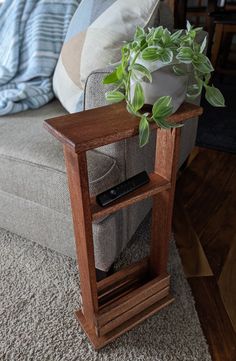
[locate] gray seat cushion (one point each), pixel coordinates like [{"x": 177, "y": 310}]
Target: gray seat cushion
[{"x": 32, "y": 164}]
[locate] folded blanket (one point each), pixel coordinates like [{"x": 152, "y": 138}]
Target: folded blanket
[{"x": 31, "y": 37}]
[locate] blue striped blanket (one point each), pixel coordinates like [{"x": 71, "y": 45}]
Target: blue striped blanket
[{"x": 31, "y": 37}]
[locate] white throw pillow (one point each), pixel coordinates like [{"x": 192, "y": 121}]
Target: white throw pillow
[{"x": 94, "y": 41}]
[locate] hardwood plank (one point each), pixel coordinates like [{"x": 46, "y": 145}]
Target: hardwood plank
[
  {"x": 209, "y": 183},
  {"x": 187, "y": 240},
  {"x": 210, "y": 180},
  {"x": 156, "y": 185},
  {"x": 214, "y": 320},
  {"x": 96, "y": 127}
]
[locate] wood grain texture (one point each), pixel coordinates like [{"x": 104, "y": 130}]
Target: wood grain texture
[
  {"x": 133, "y": 311},
  {"x": 122, "y": 280},
  {"x": 76, "y": 165},
  {"x": 190, "y": 249},
  {"x": 93, "y": 128},
  {"x": 167, "y": 153},
  {"x": 133, "y": 298},
  {"x": 156, "y": 185},
  {"x": 99, "y": 342},
  {"x": 208, "y": 184},
  {"x": 215, "y": 322}
]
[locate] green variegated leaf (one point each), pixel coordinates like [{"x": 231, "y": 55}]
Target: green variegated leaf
[
  {"x": 203, "y": 45},
  {"x": 138, "y": 97},
  {"x": 166, "y": 56},
  {"x": 162, "y": 107},
  {"x": 157, "y": 33},
  {"x": 196, "y": 48},
  {"x": 139, "y": 33},
  {"x": 166, "y": 36},
  {"x": 119, "y": 71},
  {"x": 134, "y": 45},
  {"x": 150, "y": 36},
  {"x": 162, "y": 123},
  {"x": 114, "y": 96},
  {"x": 203, "y": 64},
  {"x": 143, "y": 131},
  {"x": 194, "y": 91},
  {"x": 178, "y": 70},
  {"x": 192, "y": 34},
  {"x": 110, "y": 78},
  {"x": 143, "y": 71},
  {"x": 214, "y": 96},
  {"x": 207, "y": 78},
  {"x": 175, "y": 36},
  {"x": 198, "y": 29},
  {"x": 185, "y": 55},
  {"x": 188, "y": 25},
  {"x": 150, "y": 54},
  {"x": 130, "y": 109}
]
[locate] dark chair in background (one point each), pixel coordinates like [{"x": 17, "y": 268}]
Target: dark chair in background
[
  {"x": 223, "y": 29},
  {"x": 217, "y": 18}
]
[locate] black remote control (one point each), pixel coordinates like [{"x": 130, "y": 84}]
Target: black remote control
[{"x": 120, "y": 190}]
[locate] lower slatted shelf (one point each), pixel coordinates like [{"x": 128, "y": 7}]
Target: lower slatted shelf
[
  {"x": 131, "y": 304},
  {"x": 101, "y": 341}
]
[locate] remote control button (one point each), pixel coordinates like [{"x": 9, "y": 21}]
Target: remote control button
[
  {"x": 113, "y": 193},
  {"x": 122, "y": 189}
]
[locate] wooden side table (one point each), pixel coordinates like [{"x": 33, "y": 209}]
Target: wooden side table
[{"x": 121, "y": 301}]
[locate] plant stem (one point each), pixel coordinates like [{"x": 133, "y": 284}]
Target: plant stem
[{"x": 129, "y": 76}]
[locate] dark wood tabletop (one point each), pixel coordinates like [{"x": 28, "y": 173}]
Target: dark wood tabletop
[{"x": 96, "y": 127}]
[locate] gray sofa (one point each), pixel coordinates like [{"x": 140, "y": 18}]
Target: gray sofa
[{"x": 34, "y": 198}]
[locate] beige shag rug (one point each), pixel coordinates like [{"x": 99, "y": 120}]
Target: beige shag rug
[{"x": 39, "y": 291}]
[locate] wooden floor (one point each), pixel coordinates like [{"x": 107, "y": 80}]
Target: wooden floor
[
  {"x": 205, "y": 231},
  {"x": 214, "y": 319}
]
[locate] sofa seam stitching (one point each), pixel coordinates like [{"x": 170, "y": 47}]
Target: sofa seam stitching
[
  {"x": 57, "y": 170},
  {"x": 38, "y": 204}
]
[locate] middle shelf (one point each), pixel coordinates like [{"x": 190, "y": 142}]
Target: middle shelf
[{"x": 156, "y": 185}]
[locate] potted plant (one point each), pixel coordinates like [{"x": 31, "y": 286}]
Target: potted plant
[{"x": 155, "y": 68}]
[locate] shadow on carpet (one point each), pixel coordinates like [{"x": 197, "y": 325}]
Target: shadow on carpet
[{"x": 39, "y": 291}]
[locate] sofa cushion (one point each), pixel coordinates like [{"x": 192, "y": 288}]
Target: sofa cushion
[
  {"x": 32, "y": 164},
  {"x": 94, "y": 39}
]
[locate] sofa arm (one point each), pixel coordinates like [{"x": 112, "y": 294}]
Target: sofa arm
[
  {"x": 130, "y": 158},
  {"x": 94, "y": 97},
  {"x": 94, "y": 91}
]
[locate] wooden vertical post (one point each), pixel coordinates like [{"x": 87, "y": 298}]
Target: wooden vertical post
[
  {"x": 180, "y": 12},
  {"x": 219, "y": 32},
  {"x": 76, "y": 165},
  {"x": 166, "y": 162}
]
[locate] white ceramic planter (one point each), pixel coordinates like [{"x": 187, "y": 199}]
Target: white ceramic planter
[{"x": 164, "y": 82}]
